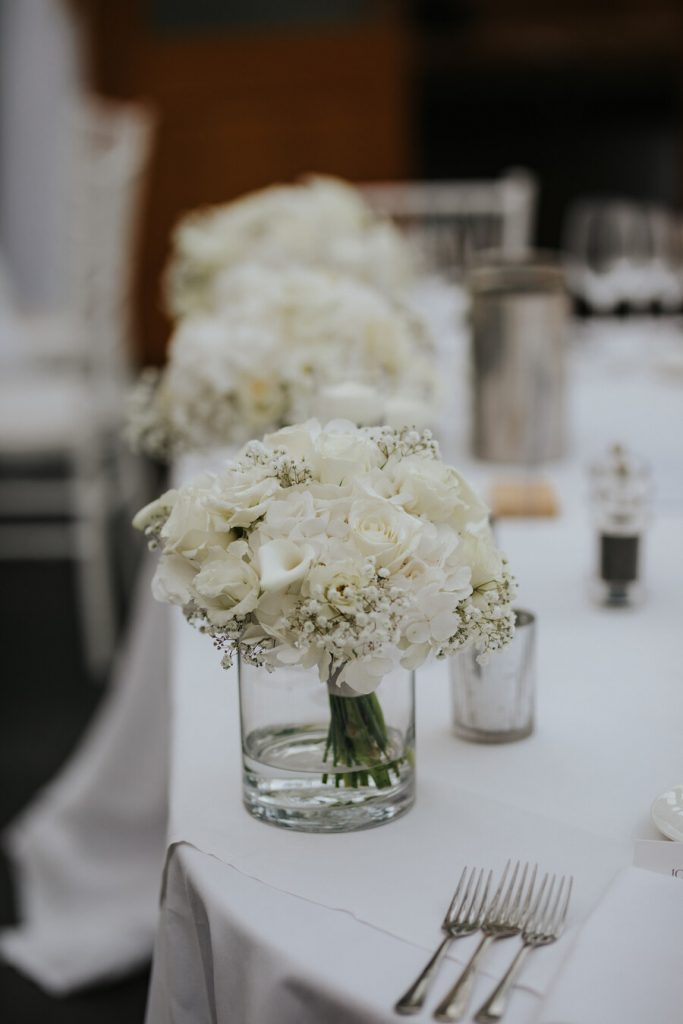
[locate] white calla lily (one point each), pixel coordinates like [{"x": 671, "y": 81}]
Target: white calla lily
[{"x": 283, "y": 563}]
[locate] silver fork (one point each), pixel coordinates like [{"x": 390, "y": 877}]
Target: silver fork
[
  {"x": 504, "y": 917},
  {"x": 544, "y": 925},
  {"x": 463, "y": 917}
]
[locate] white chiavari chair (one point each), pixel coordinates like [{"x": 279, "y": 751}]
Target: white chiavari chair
[
  {"x": 61, "y": 396},
  {"x": 451, "y": 221}
]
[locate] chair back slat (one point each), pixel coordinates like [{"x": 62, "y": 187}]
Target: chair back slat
[
  {"x": 452, "y": 221},
  {"x": 110, "y": 145}
]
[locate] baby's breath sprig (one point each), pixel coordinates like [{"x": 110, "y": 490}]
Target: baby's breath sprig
[
  {"x": 153, "y": 528},
  {"x": 226, "y": 639},
  {"x": 255, "y": 453},
  {"x": 404, "y": 442},
  {"x": 485, "y": 619},
  {"x": 366, "y": 622},
  {"x": 287, "y": 469}
]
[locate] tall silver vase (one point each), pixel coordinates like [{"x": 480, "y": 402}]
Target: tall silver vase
[{"x": 520, "y": 320}]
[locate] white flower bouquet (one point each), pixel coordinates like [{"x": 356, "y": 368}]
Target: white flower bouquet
[
  {"x": 279, "y": 345},
  {"x": 320, "y": 222},
  {"x": 341, "y": 548}
]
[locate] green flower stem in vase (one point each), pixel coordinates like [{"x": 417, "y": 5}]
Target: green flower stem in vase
[{"x": 358, "y": 738}]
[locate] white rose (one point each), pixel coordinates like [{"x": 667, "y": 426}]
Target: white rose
[
  {"x": 189, "y": 529},
  {"x": 298, "y": 441},
  {"x": 173, "y": 580},
  {"x": 343, "y": 453},
  {"x": 227, "y": 586},
  {"x": 338, "y": 583},
  {"x": 240, "y": 497},
  {"x": 384, "y": 531},
  {"x": 429, "y": 488},
  {"x": 282, "y": 564},
  {"x": 157, "y": 509}
]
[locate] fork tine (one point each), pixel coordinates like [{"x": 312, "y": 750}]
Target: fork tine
[
  {"x": 558, "y": 925},
  {"x": 514, "y": 909},
  {"x": 558, "y": 906},
  {"x": 519, "y": 892},
  {"x": 457, "y": 912},
  {"x": 497, "y": 894},
  {"x": 484, "y": 901},
  {"x": 530, "y": 921},
  {"x": 466, "y": 912},
  {"x": 509, "y": 891},
  {"x": 456, "y": 896},
  {"x": 540, "y": 921},
  {"x": 525, "y": 903},
  {"x": 553, "y": 909}
]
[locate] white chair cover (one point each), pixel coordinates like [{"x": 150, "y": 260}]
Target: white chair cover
[{"x": 89, "y": 850}]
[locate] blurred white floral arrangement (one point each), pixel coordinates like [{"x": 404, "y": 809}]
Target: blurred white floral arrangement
[
  {"x": 338, "y": 547},
  {"x": 280, "y": 345},
  {"x": 319, "y": 222}
]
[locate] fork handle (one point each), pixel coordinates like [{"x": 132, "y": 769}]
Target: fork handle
[
  {"x": 413, "y": 1000},
  {"x": 454, "y": 1006},
  {"x": 496, "y": 1004}
]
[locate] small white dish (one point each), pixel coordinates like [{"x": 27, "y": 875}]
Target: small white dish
[{"x": 667, "y": 813}]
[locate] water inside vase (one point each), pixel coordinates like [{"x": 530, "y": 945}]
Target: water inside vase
[{"x": 288, "y": 781}]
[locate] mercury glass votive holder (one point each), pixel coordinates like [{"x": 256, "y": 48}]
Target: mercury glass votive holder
[{"x": 493, "y": 700}]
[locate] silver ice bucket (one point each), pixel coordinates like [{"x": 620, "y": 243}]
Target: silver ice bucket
[{"x": 520, "y": 321}]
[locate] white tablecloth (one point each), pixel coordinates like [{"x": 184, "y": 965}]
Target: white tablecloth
[
  {"x": 257, "y": 920},
  {"x": 573, "y": 797},
  {"x": 254, "y": 919},
  {"x": 614, "y": 971}
]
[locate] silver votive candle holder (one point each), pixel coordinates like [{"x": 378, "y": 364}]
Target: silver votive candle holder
[{"x": 493, "y": 700}]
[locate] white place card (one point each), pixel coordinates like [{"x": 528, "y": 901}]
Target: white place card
[{"x": 663, "y": 856}]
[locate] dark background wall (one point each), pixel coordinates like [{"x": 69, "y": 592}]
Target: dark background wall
[{"x": 588, "y": 94}]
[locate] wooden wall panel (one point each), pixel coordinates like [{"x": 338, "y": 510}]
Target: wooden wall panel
[{"x": 239, "y": 111}]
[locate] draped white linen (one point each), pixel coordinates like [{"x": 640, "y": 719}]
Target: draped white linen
[{"x": 89, "y": 850}]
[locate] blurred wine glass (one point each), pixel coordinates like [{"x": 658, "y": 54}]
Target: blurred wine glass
[
  {"x": 624, "y": 255},
  {"x": 667, "y": 266}
]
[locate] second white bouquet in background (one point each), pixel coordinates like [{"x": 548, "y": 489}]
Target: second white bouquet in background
[{"x": 280, "y": 345}]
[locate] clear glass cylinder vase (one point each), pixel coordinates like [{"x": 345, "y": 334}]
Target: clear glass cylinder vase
[{"x": 317, "y": 759}]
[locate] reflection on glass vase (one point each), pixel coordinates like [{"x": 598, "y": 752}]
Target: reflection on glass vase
[{"x": 317, "y": 759}]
